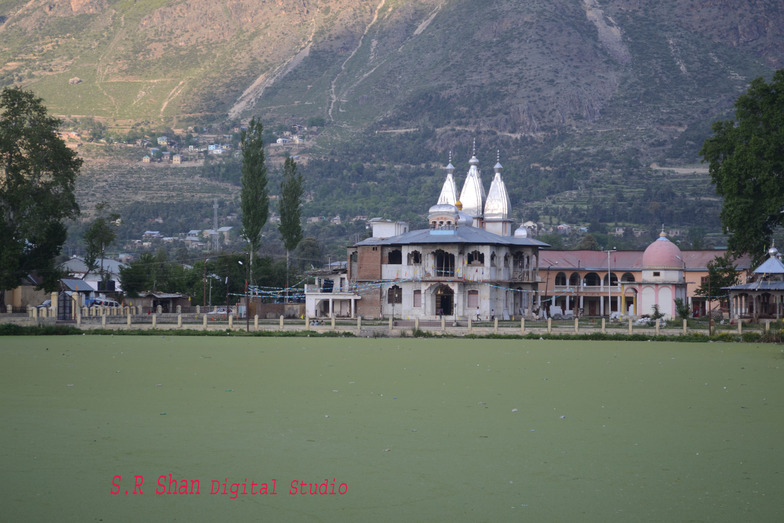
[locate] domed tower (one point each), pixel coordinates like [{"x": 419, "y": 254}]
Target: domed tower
[
  {"x": 473, "y": 194},
  {"x": 496, "y": 215},
  {"x": 449, "y": 190},
  {"x": 662, "y": 261},
  {"x": 662, "y": 277}
]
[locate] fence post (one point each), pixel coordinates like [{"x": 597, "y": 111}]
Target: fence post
[
  {"x": 443, "y": 324},
  {"x": 103, "y": 321},
  {"x": 128, "y": 320},
  {"x": 685, "y": 328},
  {"x": 577, "y": 326},
  {"x": 231, "y": 321},
  {"x": 604, "y": 326},
  {"x": 179, "y": 320},
  {"x": 416, "y": 324},
  {"x": 307, "y": 322},
  {"x": 522, "y": 326},
  {"x": 255, "y": 322},
  {"x": 740, "y": 327},
  {"x": 549, "y": 325},
  {"x": 390, "y": 324},
  {"x": 280, "y": 322},
  {"x": 333, "y": 322},
  {"x": 154, "y": 318},
  {"x": 204, "y": 322},
  {"x": 470, "y": 328},
  {"x": 495, "y": 325},
  {"x": 359, "y": 323},
  {"x": 767, "y": 326},
  {"x": 658, "y": 322},
  {"x": 630, "y": 325}
]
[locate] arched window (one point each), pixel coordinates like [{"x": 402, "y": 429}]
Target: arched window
[
  {"x": 506, "y": 260},
  {"x": 560, "y": 279},
  {"x": 492, "y": 259},
  {"x": 414, "y": 258},
  {"x": 395, "y": 257},
  {"x": 574, "y": 280},
  {"x": 627, "y": 277},
  {"x": 445, "y": 263},
  {"x": 613, "y": 279},
  {"x": 475, "y": 258},
  {"x": 592, "y": 280}
]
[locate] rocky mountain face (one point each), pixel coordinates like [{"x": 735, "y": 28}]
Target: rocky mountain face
[
  {"x": 568, "y": 88},
  {"x": 517, "y": 67}
]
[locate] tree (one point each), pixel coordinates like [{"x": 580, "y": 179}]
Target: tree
[
  {"x": 290, "y": 226},
  {"x": 682, "y": 309},
  {"x": 254, "y": 195},
  {"x": 722, "y": 272},
  {"x": 37, "y": 176},
  {"x": 746, "y": 164},
  {"x": 588, "y": 243},
  {"x": 99, "y": 235}
]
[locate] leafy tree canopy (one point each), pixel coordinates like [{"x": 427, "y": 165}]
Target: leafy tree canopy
[
  {"x": 291, "y": 188},
  {"x": 722, "y": 272},
  {"x": 746, "y": 160},
  {"x": 99, "y": 235},
  {"x": 254, "y": 195},
  {"x": 37, "y": 176}
]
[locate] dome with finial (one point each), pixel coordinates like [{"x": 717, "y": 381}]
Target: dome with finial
[
  {"x": 462, "y": 218},
  {"x": 522, "y": 232},
  {"x": 662, "y": 254}
]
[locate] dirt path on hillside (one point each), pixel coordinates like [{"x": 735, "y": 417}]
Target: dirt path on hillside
[{"x": 680, "y": 170}]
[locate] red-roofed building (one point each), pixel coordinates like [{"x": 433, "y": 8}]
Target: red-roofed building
[{"x": 577, "y": 282}]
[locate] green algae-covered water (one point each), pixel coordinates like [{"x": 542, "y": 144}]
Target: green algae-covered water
[{"x": 388, "y": 430}]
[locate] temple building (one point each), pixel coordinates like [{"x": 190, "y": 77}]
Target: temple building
[
  {"x": 468, "y": 263},
  {"x": 472, "y": 262}
]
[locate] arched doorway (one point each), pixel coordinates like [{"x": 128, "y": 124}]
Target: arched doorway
[{"x": 445, "y": 301}]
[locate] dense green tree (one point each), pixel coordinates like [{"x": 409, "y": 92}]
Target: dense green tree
[
  {"x": 722, "y": 272},
  {"x": 100, "y": 235},
  {"x": 746, "y": 163},
  {"x": 254, "y": 195},
  {"x": 291, "y": 188},
  {"x": 309, "y": 254},
  {"x": 37, "y": 176},
  {"x": 588, "y": 243}
]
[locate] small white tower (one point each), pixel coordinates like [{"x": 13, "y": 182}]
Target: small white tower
[
  {"x": 496, "y": 215},
  {"x": 473, "y": 194}
]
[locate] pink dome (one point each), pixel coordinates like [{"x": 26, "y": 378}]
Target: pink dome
[{"x": 662, "y": 254}]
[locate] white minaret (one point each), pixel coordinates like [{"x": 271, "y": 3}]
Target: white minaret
[
  {"x": 473, "y": 194},
  {"x": 496, "y": 215},
  {"x": 449, "y": 190}
]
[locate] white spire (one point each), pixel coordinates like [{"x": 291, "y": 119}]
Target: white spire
[
  {"x": 473, "y": 194},
  {"x": 497, "y": 205},
  {"x": 449, "y": 190}
]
